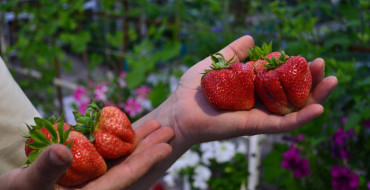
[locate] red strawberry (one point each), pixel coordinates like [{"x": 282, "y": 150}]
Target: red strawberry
[
  {"x": 87, "y": 163},
  {"x": 283, "y": 85},
  {"x": 228, "y": 85},
  {"x": 108, "y": 129}
]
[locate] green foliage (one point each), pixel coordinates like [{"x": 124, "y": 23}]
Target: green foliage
[{"x": 230, "y": 175}]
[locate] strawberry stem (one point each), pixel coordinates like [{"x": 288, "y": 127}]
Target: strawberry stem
[
  {"x": 219, "y": 62},
  {"x": 86, "y": 124},
  {"x": 257, "y": 53},
  {"x": 275, "y": 62}
]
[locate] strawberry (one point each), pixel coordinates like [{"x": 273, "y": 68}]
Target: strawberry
[
  {"x": 108, "y": 129},
  {"x": 283, "y": 83},
  {"x": 87, "y": 163},
  {"x": 228, "y": 84}
]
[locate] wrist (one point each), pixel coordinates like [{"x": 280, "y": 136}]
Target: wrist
[{"x": 167, "y": 115}]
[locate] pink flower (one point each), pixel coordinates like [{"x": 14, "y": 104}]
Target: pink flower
[
  {"x": 100, "y": 92},
  {"x": 83, "y": 106},
  {"x": 132, "y": 107},
  {"x": 343, "y": 178},
  {"x": 294, "y": 162},
  {"x": 143, "y": 92},
  {"x": 80, "y": 94}
]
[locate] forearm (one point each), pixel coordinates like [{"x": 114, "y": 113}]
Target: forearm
[
  {"x": 165, "y": 115},
  {"x": 15, "y": 111}
]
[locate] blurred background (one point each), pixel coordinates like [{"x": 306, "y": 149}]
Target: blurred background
[{"x": 131, "y": 53}]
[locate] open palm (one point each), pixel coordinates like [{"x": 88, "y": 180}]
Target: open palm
[{"x": 194, "y": 117}]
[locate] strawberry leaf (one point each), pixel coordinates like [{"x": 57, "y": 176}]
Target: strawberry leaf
[
  {"x": 53, "y": 119},
  {"x": 87, "y": 123},
  {"x": 82, "y": 128},
  {"x": 84, "y": 120},
  {"x": 39, "y": 122},
  {"x": 60, "y": 129},
  {"x": 257, "y": 53},
  {"x": 276, "y": 62},
  {"x": 24, "y": 133},
  {"x": 49, "y": 126},
  {"x": 37, "y": 145},
  {"x": 66, "y": 134},
  {"x": 69, "y": 145},
  {"x": 38, "y": 136},
  {"x": 33, "y": 156}
]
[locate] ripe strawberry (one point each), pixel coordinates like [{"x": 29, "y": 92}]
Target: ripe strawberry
[
  {"x": 108, "y": 129},
  {"x": 87, "y": 163},
  {"x": 283, "y": 83},
  {"x": 229, "y": 85}
]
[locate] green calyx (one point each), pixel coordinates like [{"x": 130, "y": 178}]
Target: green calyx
[
  {"x": 219, "y": 62},
  {"x": 86, "y": 124},
  {"x": 275, "y": 62},
  {"x": 58, "y": 136},
  {"x": 257, "y": 53}
]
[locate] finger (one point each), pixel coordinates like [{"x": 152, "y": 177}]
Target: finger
[
  {"x": 161, "y": 135},
  {"x": 239, "y": 48},
  {"x": 317, "y": 68},
  {"x": 273, "y": 123},
  {"x": 121, "y": 176},
  {"x": 146, "y": 129},
  {"x": 297, "y": 119},
  {"x": 322, "y": 91},
  {"x": 48, "y": 167}
]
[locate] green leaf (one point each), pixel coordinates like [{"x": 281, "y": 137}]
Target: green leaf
[
  {"x": 84, "y": 120},
  {"x": 39, "y": 122},
  {"x": 53, "y": 119},
  {"x": 37, "y": 145},
  {"x": 66, "y": 133},
  {"x": 82, "y": 128},
  {"x": 53, "y": 134},
  {"x": 33, "y": 156},
  {"x": 60, "y": 129},
  {"x": 69, "y": 145},
  {"x": 23, "y": 132},
  {"x": 38, "y": 136},
  {"x": 77, "y": 114}
]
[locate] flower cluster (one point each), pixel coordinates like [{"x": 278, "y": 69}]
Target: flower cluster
[
  {"x": 196, "y": 167},
  {"x": 343, "y": 179},
  {"x": 292, "y": 160},
  {"x": 114, "y": 92},
  {"x": 338, "y": 141}
]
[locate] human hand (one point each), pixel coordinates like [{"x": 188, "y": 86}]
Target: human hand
[
  {"x": 195, "y": 120},
  {"x": 152, "y": 147}
]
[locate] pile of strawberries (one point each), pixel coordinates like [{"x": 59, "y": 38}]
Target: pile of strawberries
[
  {"x": 98, "y": 135},
  {"x": 282, "y": 82}
]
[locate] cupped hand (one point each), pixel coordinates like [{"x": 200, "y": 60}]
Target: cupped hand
[
  {"x": 195, "y": 120},
  {"x": 152, "y": 148}
]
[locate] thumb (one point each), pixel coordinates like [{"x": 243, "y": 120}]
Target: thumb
[{"x": 48, "y": 167}]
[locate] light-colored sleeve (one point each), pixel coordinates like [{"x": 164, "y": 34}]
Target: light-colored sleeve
[{"x": 15, "y": 111}]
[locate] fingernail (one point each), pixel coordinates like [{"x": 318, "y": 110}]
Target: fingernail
[{"x": 56, "y": 160}]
